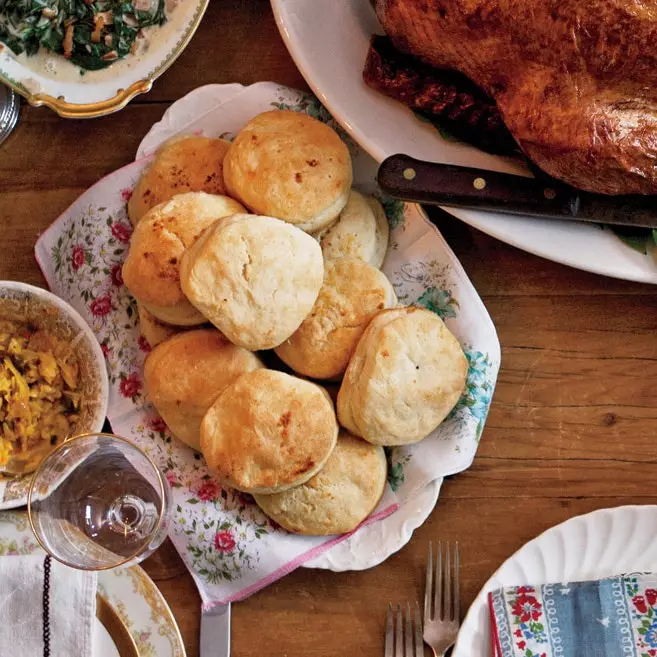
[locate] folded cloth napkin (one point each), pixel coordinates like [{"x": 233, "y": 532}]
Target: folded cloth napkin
[
  {"x": 612, "y": 617},
  {"x": 46, "y": 608}
]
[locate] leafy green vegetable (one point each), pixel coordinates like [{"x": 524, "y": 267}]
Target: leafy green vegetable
[
  {"x": 639, "y": 239},
  {"x": 27, "y": 25}
]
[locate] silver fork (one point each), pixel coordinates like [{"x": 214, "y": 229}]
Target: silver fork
[
  {"x": 406, "y": 639},
  {"x": 441, "y": 619}
]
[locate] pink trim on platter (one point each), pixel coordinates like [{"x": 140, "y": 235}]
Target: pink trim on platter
[{"x": 300, "y": 560}]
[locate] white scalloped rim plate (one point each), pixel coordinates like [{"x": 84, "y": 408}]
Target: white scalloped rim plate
[
  {"x": 600, "y": 544},
  {"x": 328, "y": 42}
]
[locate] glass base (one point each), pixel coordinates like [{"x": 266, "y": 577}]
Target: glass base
[{"x": 9, "y": 109}]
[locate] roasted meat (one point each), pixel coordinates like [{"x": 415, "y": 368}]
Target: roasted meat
[
  {"x": 575, "y": 80},
  {"x": 447, "y": 97}
]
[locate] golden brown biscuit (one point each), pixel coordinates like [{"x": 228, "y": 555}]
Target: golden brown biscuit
[
  {"x": 255, "y": 278},
  {"x": 361, "y": 231},
  {"x": 353, "y": 292},
  {"x": 153, "y": 330},
  {"x": 290, "y": 166},
  {"x": 339, "y": 497},
  {"x": 406, "y": 375},
  {"x": 186, "y": 373},
  {"x": 186, "y": 164},
  {"x": 382, "y": 232},
  {"x": 152, "y": 268},
  {"x": 268, "y": 432}
]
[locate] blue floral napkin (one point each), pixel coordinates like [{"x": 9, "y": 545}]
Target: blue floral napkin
[{"x": 613, "y": 617}]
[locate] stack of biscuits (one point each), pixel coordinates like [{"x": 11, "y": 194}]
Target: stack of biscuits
[{"x": 259, "y": 245}]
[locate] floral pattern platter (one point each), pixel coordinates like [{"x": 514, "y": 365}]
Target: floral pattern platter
[
  {"x": 597, "y": 545},
  {"x": 132, "y": 595},
  {"x": 231, "y": 549}
]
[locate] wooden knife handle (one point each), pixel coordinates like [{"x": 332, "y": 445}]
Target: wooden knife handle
[{"x": 406, "y": 178}]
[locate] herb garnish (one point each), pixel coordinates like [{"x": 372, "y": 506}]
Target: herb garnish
[{"x": 91, "y": 34}]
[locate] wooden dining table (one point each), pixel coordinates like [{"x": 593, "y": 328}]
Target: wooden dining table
[{"x": 573, "y": 423}]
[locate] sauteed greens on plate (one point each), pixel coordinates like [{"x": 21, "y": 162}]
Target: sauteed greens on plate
[{"x": 90, "y": 34}]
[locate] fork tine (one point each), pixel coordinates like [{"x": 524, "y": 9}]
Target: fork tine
[
  {"x": 448, "y": 587},
  {"x": 419, "y": 641},
  {"x": 457, "y": 588},
  {"x": 399, "y": 645},
  {"x": 438, "y": 594},
  {"x": 389, "y": 633},
  {"x": 409, "y": 632},
  {"x": 427, "y": 587}
]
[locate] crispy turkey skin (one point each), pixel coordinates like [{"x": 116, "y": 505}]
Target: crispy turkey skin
[{"x": 575, "y": 80}]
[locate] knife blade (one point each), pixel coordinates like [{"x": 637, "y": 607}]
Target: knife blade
[
  {"x": 215, "y": 632},
  {"x": 408, "y": 179}
]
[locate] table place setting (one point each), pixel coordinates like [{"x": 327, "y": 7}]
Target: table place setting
[{"x": 315, "y": 332}]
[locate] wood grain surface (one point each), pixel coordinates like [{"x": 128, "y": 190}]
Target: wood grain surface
[{"x": 573, "y": 422}]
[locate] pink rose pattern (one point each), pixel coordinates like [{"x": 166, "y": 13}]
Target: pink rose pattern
[
  {"x": 158, "y": 425},
  {"x": 224, "y": 541},
  {"x": 101, "y": 306},
  {"x": 122, "y": 231},
  {"x": 130, "y": 386},
  {"x": 78, "y": 257},
  {"x": 173, "y": 480},
  {"x": 116, "y": 275},
  {"x": 208, "y": 491}
]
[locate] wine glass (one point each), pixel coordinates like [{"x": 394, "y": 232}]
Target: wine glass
[
  {"x": 98, "y": 502},
  {"x": 9, "y": 108}
]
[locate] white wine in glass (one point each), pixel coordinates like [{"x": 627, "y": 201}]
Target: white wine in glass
[{"x": 99, "y": 502}]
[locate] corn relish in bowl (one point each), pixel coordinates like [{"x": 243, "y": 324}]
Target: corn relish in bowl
[{"x": 53, "y": 381}]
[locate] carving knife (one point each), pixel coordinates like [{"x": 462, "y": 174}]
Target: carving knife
[
  {"x": 408, "y": 179},
  {"x": 215, "y": 632}
]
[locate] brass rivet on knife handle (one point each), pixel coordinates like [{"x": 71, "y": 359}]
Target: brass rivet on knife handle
[
  {"x": 409, "y": 179},
  {"x": 456, "y": 186}
]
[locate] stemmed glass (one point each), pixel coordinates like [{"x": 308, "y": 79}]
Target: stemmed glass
[
  {"x": 9, "y": 108},
  {"x": 98, "y": 502}
]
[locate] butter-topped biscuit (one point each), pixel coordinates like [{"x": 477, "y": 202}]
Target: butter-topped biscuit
[
  {"x": 361, "y": 231},
  {"x": 255, "y": 278},
  {"x": 152, "y": 268},
  {"x": 186, "y": 373},
  {"x": 186, "y": 164},
  {"x": 406, "y": 374},
  {"x": 352, "y": 293},
  {"x": 290, "y": 166},
  {"x": 339, "y": 497},
  {"x": 268, "y": 432}
]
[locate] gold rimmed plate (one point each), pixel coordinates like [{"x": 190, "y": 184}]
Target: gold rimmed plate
[
  {"x": 49, "y": 79},
  {"x": 133, "y": 618}
]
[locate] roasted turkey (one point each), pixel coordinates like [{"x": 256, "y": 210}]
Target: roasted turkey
[{"x": 575, "y": 80}]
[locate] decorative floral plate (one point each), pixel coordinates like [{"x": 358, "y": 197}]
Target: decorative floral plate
[
  {"x": 230, "y": 547},
  {"x": 132, "y": 597},
  {"x": 328, "y": 42},
  {"x": 601, "y": 544},
  {"x": 49, "y": 79}
]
